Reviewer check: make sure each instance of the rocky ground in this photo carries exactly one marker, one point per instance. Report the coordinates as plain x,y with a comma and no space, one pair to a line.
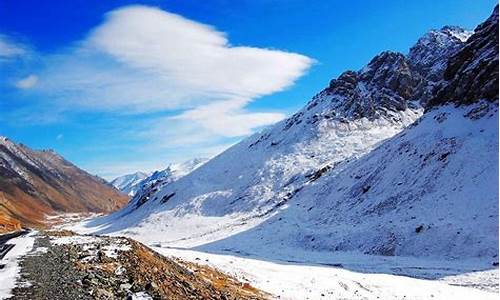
63,265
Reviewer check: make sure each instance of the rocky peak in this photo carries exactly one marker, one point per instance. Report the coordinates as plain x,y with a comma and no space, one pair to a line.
472,72
430,54
384,85
457,32
390,83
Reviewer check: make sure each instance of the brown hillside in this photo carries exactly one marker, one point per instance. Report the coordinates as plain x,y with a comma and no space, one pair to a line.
34,184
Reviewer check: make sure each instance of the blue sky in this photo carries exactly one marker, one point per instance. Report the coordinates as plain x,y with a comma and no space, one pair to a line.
119,86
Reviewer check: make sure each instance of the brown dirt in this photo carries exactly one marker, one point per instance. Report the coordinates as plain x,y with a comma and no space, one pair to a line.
8,224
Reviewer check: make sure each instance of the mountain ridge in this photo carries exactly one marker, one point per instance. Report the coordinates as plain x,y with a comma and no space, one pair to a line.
129,183
34,184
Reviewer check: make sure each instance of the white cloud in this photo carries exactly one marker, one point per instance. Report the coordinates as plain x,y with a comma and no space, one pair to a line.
10,49
27,82
144,59
59,137
227,118
196,57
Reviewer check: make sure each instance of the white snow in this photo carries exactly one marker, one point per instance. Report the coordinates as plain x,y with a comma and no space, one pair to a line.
301,281
74,240
10,272
113,249
130,183
141,296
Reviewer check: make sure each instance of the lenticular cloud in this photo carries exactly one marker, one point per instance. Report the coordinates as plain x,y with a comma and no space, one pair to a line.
193,58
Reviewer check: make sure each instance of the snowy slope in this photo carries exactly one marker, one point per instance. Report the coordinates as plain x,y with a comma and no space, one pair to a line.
432,190
130,183
9,273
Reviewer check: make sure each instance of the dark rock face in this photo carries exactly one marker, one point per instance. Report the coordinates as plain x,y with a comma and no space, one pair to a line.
385,84
429,56
390,70
472,73
391,82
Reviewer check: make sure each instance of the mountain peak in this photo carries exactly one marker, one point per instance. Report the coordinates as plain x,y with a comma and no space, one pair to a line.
389,84
472,72
129,183
139,182
383,85
456,32
429,56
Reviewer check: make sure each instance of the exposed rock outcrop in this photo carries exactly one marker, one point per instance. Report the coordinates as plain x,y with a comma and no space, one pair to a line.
472,73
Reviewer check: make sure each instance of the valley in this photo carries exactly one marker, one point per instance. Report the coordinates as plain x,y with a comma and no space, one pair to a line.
94,267
384,185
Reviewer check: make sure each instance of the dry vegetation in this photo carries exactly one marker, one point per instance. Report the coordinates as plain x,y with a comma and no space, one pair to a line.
168,279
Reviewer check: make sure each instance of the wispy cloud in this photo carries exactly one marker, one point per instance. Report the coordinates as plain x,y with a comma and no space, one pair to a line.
27,82
228,118
10,49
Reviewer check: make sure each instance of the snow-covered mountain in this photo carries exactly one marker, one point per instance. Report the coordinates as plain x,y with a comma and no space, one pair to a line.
141,182
129,183
158,179
358,169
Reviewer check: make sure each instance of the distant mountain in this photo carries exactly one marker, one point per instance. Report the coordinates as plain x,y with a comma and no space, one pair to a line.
34,184
136,182
130,183
159,179
398,158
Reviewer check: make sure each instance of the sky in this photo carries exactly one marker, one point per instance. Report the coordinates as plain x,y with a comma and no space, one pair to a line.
122,86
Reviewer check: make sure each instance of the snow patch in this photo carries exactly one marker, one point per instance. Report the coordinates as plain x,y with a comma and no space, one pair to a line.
10,271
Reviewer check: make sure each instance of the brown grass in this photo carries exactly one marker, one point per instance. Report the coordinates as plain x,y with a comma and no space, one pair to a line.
173,280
